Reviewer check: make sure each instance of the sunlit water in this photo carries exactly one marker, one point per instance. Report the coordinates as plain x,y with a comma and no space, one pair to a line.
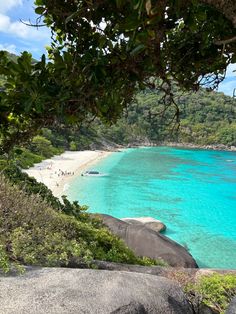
192,191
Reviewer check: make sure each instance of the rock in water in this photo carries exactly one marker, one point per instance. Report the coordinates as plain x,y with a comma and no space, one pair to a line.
148,222
146,242
87,291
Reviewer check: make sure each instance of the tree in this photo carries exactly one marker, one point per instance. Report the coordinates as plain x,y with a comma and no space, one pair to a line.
103,51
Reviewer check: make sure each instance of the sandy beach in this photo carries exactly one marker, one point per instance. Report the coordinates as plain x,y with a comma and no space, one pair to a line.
57,172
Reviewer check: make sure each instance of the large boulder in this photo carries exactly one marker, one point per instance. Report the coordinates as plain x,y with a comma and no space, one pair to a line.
64,290
146,242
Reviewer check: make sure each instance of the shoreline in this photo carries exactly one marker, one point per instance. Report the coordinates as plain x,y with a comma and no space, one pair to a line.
57,172
216,147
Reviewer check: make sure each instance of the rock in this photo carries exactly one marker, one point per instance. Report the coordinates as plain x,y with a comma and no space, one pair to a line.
232,307
149,222
132,221
204,309
147,242
132,307
155,226
87,291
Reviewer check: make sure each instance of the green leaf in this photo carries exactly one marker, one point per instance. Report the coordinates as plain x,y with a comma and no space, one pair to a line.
39,10
69,18
38,2
137,50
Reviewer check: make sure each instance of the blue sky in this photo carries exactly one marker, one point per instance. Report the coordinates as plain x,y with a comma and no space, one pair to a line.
16,37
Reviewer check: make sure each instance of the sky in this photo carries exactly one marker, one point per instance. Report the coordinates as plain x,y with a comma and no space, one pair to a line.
16,37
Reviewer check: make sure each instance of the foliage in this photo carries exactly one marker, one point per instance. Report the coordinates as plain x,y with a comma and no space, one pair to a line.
42,146
4,260
215,291
102,52
25,159
32,232
31,186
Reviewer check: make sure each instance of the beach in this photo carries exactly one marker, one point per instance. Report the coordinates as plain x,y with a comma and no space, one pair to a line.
57,172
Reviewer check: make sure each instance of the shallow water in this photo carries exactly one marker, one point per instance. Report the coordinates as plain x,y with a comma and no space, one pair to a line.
192,191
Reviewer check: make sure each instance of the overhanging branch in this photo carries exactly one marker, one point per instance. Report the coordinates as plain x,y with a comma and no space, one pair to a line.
225,41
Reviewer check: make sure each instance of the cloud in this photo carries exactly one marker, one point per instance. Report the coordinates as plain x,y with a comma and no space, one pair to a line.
8,47
227,86
230,69
229,83
21,30
6,5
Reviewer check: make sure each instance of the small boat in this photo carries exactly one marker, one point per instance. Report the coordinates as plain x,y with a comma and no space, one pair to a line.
93,173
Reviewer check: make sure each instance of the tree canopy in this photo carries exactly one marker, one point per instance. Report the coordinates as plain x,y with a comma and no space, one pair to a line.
103,51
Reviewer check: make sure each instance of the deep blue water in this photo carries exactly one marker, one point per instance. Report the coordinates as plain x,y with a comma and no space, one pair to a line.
192,191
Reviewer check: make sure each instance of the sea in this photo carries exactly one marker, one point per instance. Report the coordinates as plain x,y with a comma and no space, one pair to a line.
192,191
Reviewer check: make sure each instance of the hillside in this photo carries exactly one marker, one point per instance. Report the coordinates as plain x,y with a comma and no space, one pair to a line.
206,118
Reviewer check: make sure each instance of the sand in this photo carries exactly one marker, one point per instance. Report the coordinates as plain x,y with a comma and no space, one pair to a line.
57,172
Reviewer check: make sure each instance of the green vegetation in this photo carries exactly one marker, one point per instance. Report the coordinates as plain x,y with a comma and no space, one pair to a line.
215,291
38,149
205,118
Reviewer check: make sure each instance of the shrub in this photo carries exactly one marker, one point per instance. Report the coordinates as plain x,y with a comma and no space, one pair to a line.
73,146
43,147
215,291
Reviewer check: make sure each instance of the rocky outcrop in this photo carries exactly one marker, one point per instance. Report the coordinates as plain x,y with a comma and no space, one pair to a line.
232,307
63,291
146,242
148,222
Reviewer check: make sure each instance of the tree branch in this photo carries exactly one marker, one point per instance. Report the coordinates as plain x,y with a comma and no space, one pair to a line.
225,41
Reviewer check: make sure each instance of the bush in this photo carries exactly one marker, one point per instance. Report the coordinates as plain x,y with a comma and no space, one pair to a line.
43,147
73,146
215,291
27,159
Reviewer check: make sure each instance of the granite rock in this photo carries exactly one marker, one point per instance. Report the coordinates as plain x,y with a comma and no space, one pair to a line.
146,242
87,291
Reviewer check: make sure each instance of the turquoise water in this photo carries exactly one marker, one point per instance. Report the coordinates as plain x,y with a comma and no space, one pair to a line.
192,191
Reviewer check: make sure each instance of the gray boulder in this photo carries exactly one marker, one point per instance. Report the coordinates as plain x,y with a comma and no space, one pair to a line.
232,307
64,290
146,242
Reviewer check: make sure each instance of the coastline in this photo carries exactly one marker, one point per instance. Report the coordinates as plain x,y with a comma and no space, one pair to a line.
218,147
56,173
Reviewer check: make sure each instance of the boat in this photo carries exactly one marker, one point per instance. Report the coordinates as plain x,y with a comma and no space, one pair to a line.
93,173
